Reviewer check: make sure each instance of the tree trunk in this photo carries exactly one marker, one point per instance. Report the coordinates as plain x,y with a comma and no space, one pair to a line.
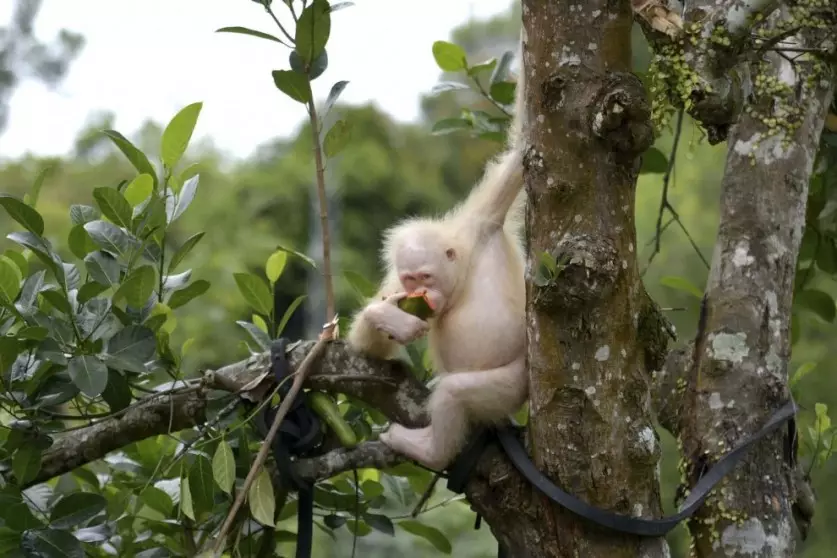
591,427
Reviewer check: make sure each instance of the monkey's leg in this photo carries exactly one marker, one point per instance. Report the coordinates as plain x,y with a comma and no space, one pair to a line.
485,396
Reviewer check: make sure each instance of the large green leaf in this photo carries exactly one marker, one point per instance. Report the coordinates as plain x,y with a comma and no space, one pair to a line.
139,189
14,511
275,265
312,30
138,287
80,242
26,463
293,84
183,199
248,31
50,543
223,466
818,302
184,250
102,267
337,138
114,206
24,214
76,508
181,297
130,348
81,214
111,238
201,485
89,373
178,133
255,291
10,280
430,534
449,57
653,161
261,499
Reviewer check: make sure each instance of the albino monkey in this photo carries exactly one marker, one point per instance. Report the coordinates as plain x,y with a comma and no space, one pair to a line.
470,265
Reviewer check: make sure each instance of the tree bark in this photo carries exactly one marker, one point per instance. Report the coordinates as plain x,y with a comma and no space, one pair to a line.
590,425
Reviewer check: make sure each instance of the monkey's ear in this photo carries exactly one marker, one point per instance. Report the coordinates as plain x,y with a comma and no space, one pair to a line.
451,254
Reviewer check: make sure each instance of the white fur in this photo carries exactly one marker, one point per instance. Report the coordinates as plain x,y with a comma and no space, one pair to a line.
475,261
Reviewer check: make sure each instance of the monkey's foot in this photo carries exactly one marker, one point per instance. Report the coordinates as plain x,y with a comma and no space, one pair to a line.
414,443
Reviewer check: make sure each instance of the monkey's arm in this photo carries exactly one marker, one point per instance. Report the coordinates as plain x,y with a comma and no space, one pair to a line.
367,333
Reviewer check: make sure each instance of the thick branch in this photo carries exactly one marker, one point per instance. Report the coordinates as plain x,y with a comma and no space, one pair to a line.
740,376
387,385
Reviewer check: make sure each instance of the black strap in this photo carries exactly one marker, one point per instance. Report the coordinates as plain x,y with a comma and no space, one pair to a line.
511,444
301,432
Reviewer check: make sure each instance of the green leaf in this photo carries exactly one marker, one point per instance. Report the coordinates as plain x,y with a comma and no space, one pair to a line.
76,508
501,70
181,297
449,57
293,84
288,313
138,287
136,157
111,238
14,511
449,125
818,302
337,138
259,322
134,344
275,265
58,301
117,393
363,286
380,522
257,334
298,255
827,256
23,214
223,467
157,499
9,349
186,499
333,95
255,291
312,30
486,66
139,189
681,284
654,162
261,499
89,374
26,463
201,484
248,31
114,206
184,198
102,267
19,261
503,92
10,280
80,242
430,534
81,214
90,290
177,134
50,543
803,370
184,250
39,183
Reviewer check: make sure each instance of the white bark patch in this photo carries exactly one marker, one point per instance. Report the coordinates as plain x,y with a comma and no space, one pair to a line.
742,256
776,249
715,401
647,440
654,548
731,347
576,366
769,149
751,539
602,354
590,391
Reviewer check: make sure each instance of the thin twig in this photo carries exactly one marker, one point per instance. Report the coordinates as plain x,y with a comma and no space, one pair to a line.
323,200
279,23
284,407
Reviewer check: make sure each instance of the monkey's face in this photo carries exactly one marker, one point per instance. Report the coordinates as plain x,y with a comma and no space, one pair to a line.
427,270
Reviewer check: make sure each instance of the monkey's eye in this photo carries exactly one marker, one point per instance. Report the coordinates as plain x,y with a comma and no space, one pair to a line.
424,276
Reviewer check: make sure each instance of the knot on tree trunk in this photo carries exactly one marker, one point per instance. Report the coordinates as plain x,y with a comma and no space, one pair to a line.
718,104
588,270
620,114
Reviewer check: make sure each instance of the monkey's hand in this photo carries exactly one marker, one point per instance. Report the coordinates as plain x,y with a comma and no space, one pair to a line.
386,316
